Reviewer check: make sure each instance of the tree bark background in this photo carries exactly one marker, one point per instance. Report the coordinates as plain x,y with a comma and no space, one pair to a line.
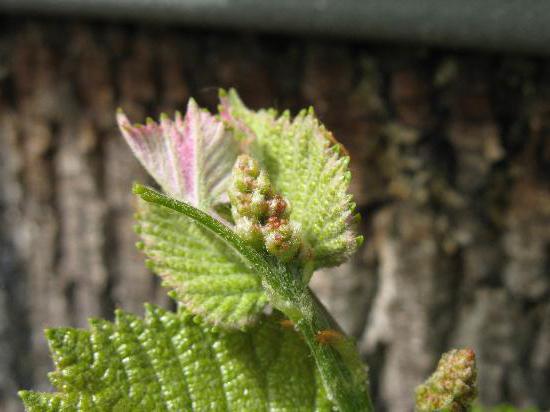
451,164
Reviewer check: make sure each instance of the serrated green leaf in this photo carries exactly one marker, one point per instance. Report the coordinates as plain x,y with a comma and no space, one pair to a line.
306,167
206,274
166,362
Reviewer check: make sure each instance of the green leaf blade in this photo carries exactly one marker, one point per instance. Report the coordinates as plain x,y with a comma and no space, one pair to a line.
168,362
284,377
143,383
197,361
207,275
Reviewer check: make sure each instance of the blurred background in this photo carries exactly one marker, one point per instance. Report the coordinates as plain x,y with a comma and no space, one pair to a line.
444,108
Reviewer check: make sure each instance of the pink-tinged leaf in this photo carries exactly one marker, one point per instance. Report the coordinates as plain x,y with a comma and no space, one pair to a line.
190,157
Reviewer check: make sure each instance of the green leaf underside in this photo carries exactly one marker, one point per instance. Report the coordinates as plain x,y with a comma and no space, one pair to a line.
167,362
305,167
206,274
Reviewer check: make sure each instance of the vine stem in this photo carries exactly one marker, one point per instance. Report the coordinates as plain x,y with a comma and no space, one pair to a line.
342,371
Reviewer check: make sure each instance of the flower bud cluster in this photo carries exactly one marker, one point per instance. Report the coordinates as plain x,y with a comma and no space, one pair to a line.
261,216
452,387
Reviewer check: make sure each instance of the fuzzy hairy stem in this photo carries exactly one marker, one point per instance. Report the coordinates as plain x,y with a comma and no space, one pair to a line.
341,369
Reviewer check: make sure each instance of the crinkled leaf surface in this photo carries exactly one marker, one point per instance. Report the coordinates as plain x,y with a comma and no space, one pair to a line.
166,362
208,276
307,167
190,157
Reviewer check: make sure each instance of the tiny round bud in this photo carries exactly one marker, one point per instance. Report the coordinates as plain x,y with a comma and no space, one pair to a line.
283,241
263,184
244,183
277,206
247,165
273,223
258,205
242,205
250,231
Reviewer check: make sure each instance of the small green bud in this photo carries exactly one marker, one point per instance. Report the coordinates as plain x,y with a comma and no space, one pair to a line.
277,206
250,231
258,205
244,183
245,174
242,205
247,166
282,239
263,184
452,387
248,188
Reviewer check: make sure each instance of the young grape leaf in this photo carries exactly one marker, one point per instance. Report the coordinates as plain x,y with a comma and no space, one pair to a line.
209,277
306,166
167,362
190,157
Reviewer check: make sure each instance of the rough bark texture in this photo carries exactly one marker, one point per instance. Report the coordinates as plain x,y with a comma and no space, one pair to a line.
451,161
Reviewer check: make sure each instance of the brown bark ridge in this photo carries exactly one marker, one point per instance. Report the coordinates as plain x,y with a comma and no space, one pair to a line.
450,159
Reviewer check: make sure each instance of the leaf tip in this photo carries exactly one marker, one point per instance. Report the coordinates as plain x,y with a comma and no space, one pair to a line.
139,189
51,334
122,121
149,309
192,106
23,394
